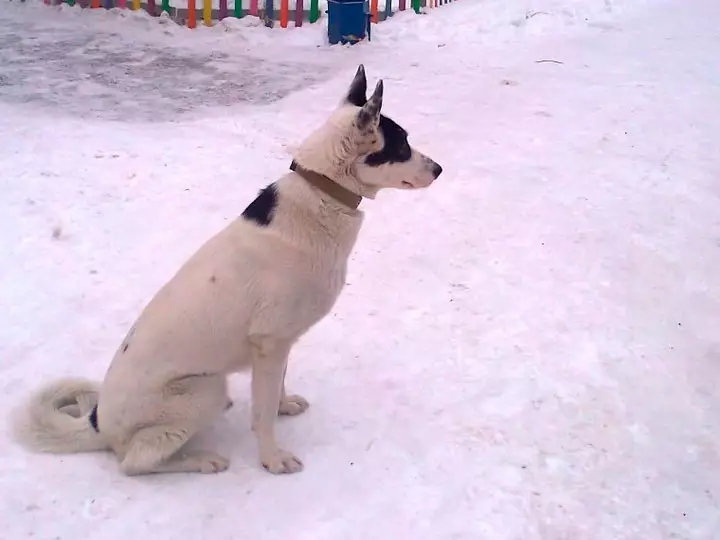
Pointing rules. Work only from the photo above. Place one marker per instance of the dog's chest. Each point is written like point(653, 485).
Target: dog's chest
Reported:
point(316, 296)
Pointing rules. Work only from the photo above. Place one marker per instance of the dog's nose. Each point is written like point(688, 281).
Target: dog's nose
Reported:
point(437, 170)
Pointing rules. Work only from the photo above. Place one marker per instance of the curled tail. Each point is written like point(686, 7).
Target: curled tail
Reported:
point(60, 418)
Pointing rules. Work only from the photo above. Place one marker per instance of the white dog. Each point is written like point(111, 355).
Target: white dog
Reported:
point(240, 302)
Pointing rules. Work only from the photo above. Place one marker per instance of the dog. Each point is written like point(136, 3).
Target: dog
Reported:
point(239, 303)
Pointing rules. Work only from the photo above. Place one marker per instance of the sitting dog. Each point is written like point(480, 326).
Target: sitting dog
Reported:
point(240, 302)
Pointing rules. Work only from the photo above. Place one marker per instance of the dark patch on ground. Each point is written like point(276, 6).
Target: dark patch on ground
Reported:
point(106, 75)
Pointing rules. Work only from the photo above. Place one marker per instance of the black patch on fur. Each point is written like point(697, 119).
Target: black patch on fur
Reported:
point(261, 210)
point(94, 419)
point(396, 149)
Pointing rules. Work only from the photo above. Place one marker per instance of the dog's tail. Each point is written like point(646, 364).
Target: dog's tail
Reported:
point(60, 418)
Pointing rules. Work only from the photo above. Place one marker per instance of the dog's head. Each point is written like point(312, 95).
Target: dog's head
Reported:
point(367, 146)
point(385, 158)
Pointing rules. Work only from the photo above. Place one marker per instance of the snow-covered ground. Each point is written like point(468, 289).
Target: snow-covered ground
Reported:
point(528, 350)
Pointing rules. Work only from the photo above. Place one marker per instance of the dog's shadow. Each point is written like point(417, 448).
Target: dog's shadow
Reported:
point(230, 436)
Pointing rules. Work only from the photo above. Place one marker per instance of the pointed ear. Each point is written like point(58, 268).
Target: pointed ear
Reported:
point(369, 115)
point(358, 88)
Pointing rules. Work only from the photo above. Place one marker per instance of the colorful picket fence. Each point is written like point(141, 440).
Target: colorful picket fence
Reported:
point(212, 11)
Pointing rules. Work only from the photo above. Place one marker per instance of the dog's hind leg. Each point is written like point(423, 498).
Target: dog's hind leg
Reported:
point(269, 359)
point(188, 405)
point(157, 450)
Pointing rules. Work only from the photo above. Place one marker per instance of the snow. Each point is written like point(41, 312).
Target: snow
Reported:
point(528, 350)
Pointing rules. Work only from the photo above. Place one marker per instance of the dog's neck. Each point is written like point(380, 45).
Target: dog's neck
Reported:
point(329, 152)
point(328, 186)
point(314, 219)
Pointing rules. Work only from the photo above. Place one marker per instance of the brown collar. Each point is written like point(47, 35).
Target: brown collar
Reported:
point(330, 187)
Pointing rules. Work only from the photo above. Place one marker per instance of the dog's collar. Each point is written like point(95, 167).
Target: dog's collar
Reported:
point(330, 187)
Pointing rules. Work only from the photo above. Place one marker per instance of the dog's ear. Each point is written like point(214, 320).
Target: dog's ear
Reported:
point(369, 115)
point(358, 88)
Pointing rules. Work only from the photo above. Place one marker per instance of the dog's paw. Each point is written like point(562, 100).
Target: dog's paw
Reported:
point(293, 405)
point(281, 462)
point(210, 463)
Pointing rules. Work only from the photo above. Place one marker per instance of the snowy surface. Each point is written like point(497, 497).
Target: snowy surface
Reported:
point(528, 350)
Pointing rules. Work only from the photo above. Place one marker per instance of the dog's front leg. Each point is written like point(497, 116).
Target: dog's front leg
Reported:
point(269, 361)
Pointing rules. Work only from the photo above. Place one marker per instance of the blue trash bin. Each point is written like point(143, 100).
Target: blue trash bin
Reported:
point(347, 21)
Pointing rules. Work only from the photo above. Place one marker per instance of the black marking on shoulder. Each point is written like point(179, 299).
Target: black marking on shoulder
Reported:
point(396, 148)
point(94, 419)
point(261, 210)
